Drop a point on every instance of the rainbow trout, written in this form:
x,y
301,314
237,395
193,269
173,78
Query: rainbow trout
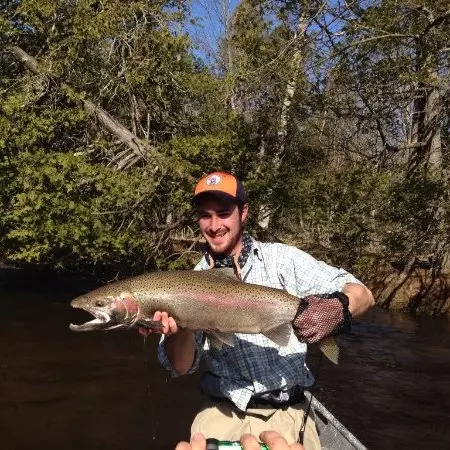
x,y
213,301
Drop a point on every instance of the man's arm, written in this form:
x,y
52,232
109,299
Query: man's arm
x,y
180,349
179,345
360,299
323,311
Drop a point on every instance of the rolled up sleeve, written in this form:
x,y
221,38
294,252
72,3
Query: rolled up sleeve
x,y
305,275
165,362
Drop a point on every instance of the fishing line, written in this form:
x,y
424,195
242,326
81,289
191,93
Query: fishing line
x,y
301,433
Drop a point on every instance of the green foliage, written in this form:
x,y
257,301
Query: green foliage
x,y
413,213
65,212
333,213
361,219
63,202
200,155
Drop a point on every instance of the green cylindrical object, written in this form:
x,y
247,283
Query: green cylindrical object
x,y
215,444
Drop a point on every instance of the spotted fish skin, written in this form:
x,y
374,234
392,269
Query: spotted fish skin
x,y
213,301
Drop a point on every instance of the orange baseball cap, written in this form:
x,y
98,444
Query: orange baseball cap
x,y
221,184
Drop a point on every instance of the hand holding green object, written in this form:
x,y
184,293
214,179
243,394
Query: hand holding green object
x,y
271,440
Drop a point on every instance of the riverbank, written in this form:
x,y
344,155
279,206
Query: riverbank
x,y
415,290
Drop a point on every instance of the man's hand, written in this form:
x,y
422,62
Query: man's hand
x,y
273,440
319,316
168,323
198,442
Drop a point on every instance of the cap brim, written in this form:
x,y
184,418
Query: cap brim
x,y
218,194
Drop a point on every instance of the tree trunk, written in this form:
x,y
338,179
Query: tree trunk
x,y
266,211
425,139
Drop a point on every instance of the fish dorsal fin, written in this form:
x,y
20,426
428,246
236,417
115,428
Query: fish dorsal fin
x,y
222,272
217,339
280,335
330,349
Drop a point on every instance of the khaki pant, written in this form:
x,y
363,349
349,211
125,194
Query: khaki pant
x,y
221,420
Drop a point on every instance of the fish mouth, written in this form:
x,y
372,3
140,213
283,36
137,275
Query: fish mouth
x,y
102,321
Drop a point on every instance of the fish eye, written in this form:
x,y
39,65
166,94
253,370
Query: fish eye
x,y
99,303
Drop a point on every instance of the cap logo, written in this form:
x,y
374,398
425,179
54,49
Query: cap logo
x,y
213,180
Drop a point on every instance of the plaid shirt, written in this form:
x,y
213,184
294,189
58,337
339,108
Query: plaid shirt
x,y
256,365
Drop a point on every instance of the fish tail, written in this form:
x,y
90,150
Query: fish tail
x,y
330,349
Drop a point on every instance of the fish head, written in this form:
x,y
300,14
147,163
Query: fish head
x,y
110,311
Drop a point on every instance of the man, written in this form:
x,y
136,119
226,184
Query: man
x,y
256,385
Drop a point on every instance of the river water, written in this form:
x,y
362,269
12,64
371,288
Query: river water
x,y
66,390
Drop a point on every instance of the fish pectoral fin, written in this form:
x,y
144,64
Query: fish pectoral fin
x,y
154,325
217,339
280,335
329,347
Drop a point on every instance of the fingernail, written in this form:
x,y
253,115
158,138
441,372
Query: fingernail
x,y
197,437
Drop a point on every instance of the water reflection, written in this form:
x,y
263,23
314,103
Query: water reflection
x,y
60,389
393,381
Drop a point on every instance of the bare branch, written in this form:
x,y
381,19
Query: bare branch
x,y
140,149
436,22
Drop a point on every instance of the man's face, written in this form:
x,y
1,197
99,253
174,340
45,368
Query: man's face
x,y
221,224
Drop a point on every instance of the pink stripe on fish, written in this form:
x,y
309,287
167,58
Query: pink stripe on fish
x,y
225,301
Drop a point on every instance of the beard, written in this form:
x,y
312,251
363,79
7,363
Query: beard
x,y
229,245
